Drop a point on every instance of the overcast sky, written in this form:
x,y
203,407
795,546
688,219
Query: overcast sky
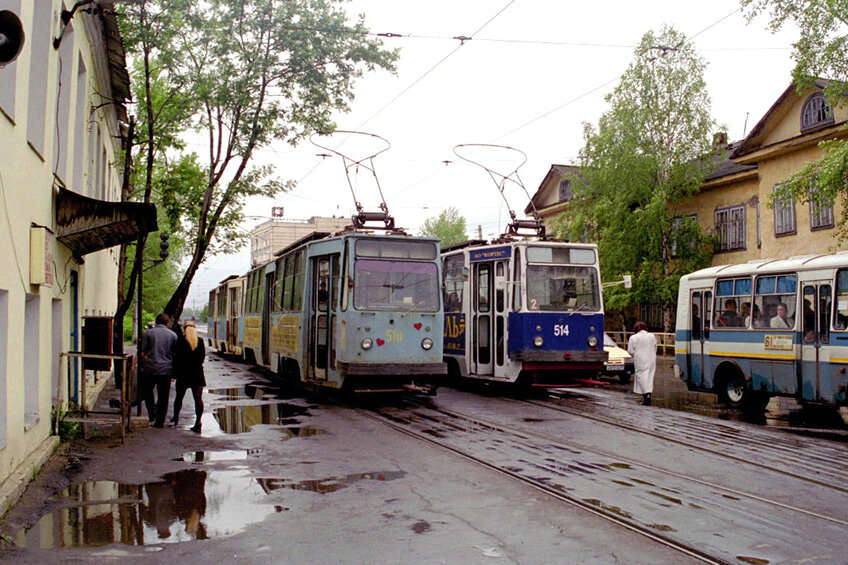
x,y
529,79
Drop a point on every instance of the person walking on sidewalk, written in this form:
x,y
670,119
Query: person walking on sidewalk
x,y
189,353
643,347
157,357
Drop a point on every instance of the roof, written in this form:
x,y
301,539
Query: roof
x,y
555,172
724,166
766,266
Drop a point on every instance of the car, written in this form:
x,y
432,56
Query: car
x,y
620,363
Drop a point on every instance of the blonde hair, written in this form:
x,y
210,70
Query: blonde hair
x,y
190,334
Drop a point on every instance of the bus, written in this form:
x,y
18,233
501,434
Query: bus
x,y
764,328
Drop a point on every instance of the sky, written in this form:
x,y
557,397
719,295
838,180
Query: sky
x,y
533,74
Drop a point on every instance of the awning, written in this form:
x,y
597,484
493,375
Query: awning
x,y
86,225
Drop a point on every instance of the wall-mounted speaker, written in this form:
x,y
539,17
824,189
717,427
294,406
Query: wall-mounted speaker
x,y
11,37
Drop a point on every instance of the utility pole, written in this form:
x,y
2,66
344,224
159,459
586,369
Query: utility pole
x,y
479,231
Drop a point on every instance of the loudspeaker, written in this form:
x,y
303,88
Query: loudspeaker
x,y
11,37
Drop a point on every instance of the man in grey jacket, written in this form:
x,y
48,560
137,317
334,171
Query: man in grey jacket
x,y
157,358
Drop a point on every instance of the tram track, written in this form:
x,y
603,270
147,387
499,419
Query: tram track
x,y
819,464
541,454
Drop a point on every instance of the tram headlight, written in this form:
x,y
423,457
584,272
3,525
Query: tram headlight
x,y
538,341
592,341
367,343
427,343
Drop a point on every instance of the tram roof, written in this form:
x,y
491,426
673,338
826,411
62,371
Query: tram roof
x,y
797,263
535,242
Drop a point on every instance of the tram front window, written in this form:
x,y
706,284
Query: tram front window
x,y
560,288
404,286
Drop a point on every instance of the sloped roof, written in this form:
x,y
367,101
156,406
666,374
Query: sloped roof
x,y
724,166
556,171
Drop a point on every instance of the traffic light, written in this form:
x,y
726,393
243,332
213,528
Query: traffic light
x,y
163,245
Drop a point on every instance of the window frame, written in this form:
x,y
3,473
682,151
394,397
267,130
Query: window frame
x,y
787,204
728,210
816,212
816,98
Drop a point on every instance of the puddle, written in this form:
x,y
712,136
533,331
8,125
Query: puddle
x,y
609,508
619,465
300,431
666,497
244,392
420,527
207,456
328,485
752,560
240,419
183,506
662,527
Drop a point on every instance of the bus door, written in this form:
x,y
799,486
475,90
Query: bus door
x,y
267,301
699,324
324,306
500,316
481,313
815,334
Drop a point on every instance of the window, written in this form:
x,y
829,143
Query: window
x,y
454,282
516,280
774,302
730,228
404,286
684,230
840,310
784,216
297,281
816,112
733,303
821,213
561,288
564,190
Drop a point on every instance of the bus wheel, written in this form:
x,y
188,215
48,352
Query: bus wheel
x,y
733,390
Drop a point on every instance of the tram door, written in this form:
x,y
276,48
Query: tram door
x,y
482,313
324,301
501,295
699,324
235,305
815,333
266,317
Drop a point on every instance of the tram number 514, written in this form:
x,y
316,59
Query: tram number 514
x,y
560,329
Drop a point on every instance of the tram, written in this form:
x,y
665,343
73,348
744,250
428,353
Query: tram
x,y
766,328
224,328
524,308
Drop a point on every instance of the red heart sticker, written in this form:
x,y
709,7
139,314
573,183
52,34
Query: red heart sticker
x,y
417,326
380,341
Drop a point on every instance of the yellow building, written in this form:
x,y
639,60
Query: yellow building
x,y
62,122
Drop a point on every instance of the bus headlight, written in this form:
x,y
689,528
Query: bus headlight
x,y
538,341
367,343
592,341
427,343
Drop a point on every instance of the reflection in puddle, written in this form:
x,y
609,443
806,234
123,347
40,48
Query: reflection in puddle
x,y
331,484
247,391
240,419
206,456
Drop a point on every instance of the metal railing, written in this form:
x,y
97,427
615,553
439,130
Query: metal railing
x,y
665,341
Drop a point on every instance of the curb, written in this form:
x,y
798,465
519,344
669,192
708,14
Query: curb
x,y
18,480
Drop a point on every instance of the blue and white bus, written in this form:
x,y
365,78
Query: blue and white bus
x,y
526,311
766,328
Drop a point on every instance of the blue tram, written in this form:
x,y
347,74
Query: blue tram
x,y
357,311
526,311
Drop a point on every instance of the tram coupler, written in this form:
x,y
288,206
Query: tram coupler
x,y
426,390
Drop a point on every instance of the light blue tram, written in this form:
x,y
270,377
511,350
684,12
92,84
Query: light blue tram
x,y
523,310
764,328
357,311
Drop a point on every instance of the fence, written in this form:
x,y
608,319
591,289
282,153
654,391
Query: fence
x,y
665,341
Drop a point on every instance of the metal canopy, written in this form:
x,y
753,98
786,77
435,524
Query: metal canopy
x,y
86,225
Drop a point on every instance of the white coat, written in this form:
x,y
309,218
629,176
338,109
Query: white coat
x,y
643,347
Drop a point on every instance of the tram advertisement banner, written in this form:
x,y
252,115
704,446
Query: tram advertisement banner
x,y
490,254
454,342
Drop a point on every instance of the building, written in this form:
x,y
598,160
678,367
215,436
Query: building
x,y
269,237
62,122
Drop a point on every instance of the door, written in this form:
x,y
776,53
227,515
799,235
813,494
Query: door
x,y
268,294
500,316
815,333
699,324
324,313
235,299
483,322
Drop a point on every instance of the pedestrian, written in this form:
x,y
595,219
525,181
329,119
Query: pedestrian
x,y
157,357
643,347
189,353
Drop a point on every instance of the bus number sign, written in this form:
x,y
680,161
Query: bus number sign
x,y
778,342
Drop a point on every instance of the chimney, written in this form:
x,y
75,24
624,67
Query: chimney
x,y
720,139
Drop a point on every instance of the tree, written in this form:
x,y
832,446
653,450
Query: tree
x,y
821,52
259,71
449,226
652,148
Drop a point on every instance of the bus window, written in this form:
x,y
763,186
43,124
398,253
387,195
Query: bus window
x,y
840,313
809,318
775,302
733,303
696,317
824,313
708,304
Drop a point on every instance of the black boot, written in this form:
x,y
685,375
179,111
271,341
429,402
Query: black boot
x,y
646,399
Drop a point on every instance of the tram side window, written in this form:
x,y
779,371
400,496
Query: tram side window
x,y
733,303
775,302
516,278
297,281
454,280
279,280
840,311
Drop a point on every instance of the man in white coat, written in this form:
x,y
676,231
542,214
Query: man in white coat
x,y
643,347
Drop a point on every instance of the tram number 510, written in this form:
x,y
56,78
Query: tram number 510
x,y
560,329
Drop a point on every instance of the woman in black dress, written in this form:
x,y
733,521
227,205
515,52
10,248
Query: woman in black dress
x,y
189,354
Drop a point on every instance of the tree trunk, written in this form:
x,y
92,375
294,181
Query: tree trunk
x,y
175,305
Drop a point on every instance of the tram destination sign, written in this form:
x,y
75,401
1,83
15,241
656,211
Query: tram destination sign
x,y
490,254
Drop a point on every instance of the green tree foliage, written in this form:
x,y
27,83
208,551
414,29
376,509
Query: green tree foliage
x,y
255,71
449,226
821,52
651,149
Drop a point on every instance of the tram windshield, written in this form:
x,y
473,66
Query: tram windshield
x,y
562,288
405,286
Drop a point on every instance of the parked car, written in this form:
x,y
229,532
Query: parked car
x,y
620,363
